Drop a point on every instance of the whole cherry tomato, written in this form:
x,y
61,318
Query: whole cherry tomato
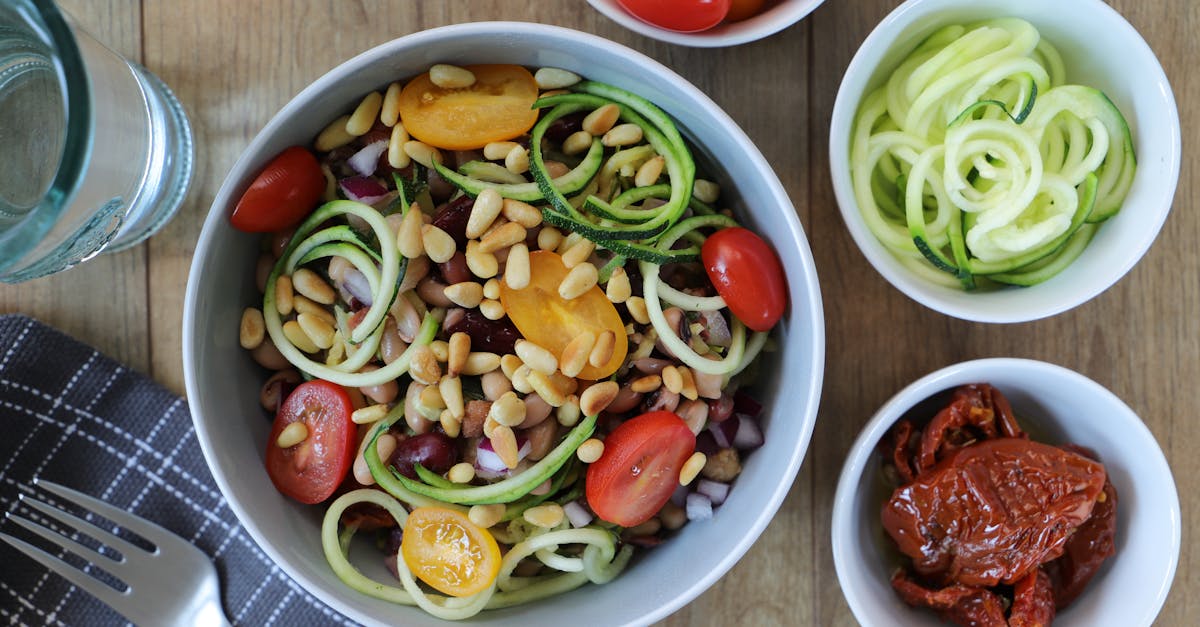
x,y
498,106
312,470
639,469
747,274
284,193
446,550
685,16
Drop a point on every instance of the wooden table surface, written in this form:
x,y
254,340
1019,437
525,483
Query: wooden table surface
x,y
234,63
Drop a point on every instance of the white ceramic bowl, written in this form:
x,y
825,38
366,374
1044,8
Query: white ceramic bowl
x,y
1058,406
1100,49
223,382
778,15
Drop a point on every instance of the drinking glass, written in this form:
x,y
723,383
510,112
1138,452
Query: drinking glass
x,y
96,153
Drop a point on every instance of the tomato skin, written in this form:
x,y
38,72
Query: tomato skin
x,y
747,274
639,469
311,471
443,548
684,16
281,196
499,106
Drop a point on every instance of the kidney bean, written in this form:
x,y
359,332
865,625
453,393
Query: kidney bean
x,y
456,270
493,336
433,450
560,129
452,218
439,188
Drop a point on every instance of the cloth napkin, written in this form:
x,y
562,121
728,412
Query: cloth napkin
x,y
71,415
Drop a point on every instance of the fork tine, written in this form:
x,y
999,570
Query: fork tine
x,y
154,533
104,561
125,547
93,586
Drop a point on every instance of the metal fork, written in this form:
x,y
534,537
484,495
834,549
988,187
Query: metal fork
x,y
174,584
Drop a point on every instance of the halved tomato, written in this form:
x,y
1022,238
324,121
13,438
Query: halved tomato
x,y
639,468
286,191
747,274
446,550
311,471
497,107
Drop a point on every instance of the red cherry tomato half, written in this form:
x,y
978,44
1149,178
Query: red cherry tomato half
x,y
284,193
312,470
639,468
747,274
685,16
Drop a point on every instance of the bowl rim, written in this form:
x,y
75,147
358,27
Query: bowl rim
x,y
866,61
864,446
761,26
812,305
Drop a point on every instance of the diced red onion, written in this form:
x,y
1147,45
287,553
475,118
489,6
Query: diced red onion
x,y
716,329
714,490
356,285
748,435
743,403
577,514
362,189
486,458
366,160
679,496
698,507
725,431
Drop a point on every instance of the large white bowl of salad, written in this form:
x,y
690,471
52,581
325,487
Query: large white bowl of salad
x,y
503,320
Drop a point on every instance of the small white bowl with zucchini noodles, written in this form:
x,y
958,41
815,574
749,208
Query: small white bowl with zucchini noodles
x,y
1004,161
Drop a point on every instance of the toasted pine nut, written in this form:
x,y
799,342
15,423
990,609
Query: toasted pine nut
x,y
672,380
389,112
441,350
549,238
546,515
522,213
483,212
452,394
618,288
568,241
554,78
516,268
689,389
706,191
369,414
431,397
507,235
577,142
317,330
602,352
462,472
517,160
575,355
691,468
568,414
424,368
451,76
304,305
545,387
409,238
486,515
578,281
334,135
337,352
457,352
509,365
438,244
648,383
283,295
536,357
508,410
578,253
397,158
648,174
599,122
520,380
482,264
296,335
491,289
466,294
422,153
590,450
480,363
451,424
597,397
308,283
497,151
491,309
364,115
291,435
252,330
567,385
622,135
504,442
637,309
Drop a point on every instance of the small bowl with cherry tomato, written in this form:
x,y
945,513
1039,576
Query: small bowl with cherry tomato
x,y
706,23
1002,490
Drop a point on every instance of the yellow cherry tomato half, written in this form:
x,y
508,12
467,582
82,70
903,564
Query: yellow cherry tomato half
x,y
551,321
497,107
447,551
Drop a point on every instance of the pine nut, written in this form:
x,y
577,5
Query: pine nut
x,y
568,414
291,435
491,289
451,76
567,242
650,171
546,515
520,380
602,352
567,385
296,335
598,397
364,114
575,355
452,395
549,238
522,213
599,122
486,515
578,253
462,472
622,135
553,92
337,352
424,368
507,235
637,309
509,365
466,294
504,443
431,397
283,295
304,305
536,357
689,389
397,158
618,289
516,267
369,414
481,264
554,78
545,387
441,350
307,283
458,349
691,468
480,363
706,191
497,151
672,380
451,424
483,212
590,450
578,281
508,410
491,309
409,238
648,383
577,143
438,244
489,426
334,135
517,160
389,112
317,330
252,330
422,153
